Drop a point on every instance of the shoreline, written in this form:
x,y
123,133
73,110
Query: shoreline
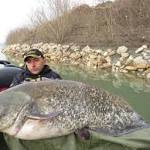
x,y
120,60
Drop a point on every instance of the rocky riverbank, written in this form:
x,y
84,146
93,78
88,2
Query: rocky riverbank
x,y
121,59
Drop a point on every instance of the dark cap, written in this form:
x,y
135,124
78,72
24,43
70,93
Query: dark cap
x,y
35,53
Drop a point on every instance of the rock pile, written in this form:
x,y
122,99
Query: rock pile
x,y
117,60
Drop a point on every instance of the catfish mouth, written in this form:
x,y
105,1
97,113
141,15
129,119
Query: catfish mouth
x,y
19,120
29,126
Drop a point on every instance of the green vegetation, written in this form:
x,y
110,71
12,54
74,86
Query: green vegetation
x,y
109,24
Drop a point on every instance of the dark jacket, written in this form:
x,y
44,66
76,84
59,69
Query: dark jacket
x,y
26,75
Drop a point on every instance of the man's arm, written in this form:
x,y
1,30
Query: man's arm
x,y
52,75
56,75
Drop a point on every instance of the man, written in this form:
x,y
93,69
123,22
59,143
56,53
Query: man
x,y
35,68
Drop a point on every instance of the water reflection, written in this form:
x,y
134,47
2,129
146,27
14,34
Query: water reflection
x,y
116,79
135,90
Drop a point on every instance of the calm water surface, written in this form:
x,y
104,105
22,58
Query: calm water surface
x,y
133,89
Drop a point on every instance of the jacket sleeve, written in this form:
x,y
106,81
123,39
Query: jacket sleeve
x,y
55,75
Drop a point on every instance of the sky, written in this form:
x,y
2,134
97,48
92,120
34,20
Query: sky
x,y
13,14
16,13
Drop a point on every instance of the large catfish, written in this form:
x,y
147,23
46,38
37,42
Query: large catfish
x,y
45,109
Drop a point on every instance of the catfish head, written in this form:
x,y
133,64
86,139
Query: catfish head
x,y
14,106
20,116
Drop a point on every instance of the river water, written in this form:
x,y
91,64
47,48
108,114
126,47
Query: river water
x,y
133,89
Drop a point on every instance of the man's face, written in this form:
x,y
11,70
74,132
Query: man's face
x,y
35,65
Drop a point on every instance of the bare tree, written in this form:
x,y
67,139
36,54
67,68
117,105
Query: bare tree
x,y
54,14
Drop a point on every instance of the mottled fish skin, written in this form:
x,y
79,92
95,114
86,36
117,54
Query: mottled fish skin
x,y
78,105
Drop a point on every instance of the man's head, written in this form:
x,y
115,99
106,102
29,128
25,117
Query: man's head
x,y
34,61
